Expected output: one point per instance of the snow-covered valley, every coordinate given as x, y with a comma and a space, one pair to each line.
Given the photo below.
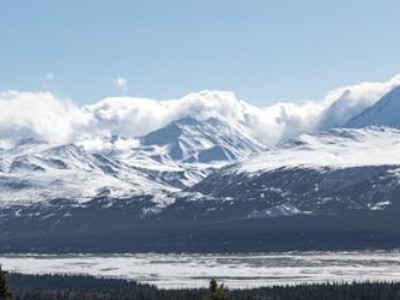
234, 270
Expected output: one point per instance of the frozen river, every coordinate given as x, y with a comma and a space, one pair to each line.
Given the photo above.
235, 270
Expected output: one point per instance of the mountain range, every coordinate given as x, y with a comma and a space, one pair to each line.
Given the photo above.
197, 172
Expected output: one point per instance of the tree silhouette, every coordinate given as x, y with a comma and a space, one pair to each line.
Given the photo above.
5, 291
216, 292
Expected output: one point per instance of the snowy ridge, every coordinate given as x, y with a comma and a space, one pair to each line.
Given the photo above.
337, 148
189, 140
329, 172
37, 172
186, 151
158, 164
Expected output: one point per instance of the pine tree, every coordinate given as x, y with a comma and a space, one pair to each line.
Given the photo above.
216, 292
5, 292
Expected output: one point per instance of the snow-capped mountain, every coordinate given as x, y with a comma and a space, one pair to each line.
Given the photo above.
335, 170
164, 161
189, 140
385, 112
35, 171
186, 151
198, 171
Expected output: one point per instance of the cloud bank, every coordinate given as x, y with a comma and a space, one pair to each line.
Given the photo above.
121, 83
39, 115
43, 116
347, 102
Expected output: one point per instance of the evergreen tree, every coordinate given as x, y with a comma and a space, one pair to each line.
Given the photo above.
5, 292
216, 292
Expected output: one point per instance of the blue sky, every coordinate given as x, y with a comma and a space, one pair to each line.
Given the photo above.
264, 51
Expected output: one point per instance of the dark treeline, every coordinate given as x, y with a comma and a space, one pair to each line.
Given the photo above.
56, 287
66, 287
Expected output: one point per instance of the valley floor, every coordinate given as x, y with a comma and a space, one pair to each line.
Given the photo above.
238, 271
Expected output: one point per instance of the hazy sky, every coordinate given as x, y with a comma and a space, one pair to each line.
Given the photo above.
264, 51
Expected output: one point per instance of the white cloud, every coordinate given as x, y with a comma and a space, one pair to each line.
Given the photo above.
43, 116
49, 77
121, 83
39, 115
346, 102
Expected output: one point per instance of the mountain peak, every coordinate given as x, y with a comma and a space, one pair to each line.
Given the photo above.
189, 139
186, 121
30, 141
383, 113
177, 129
162, 136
